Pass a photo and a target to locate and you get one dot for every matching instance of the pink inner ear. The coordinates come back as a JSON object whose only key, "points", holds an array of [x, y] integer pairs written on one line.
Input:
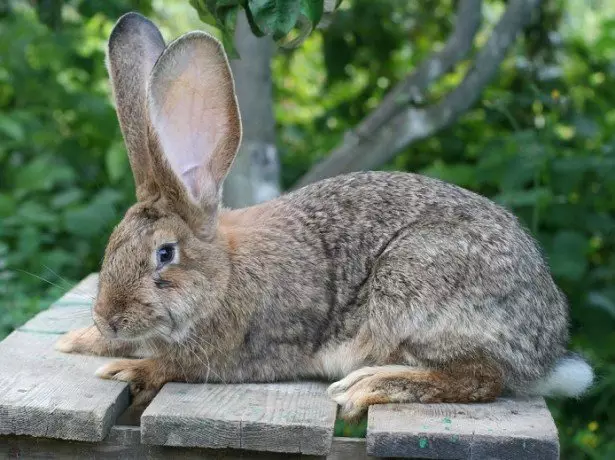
{"points": [[188, 108]]}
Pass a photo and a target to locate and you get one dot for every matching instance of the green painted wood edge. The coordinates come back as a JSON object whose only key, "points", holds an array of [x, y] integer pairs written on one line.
{"points": [[63, 304], [37, 331]]}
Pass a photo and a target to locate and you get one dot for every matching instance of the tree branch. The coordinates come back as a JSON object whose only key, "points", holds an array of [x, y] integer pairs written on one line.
{"points": [[394, 125], [414, 86]]}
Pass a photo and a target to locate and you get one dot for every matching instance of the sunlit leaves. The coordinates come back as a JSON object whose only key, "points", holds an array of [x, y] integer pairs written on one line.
{"points": [[568, 255], [289, 22], [221, 14], [59, 157], [116, 161], [11, 128]]}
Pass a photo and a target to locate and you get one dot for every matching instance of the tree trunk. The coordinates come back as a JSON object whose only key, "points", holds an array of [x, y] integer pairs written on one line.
{"points": [[397, 123], [255, 175]]}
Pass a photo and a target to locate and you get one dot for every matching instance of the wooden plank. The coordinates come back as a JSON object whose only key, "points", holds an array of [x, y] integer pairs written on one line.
{"points": [[120, 445], [349, 449], [284, 417], [51, 394], [341, 448], [506, 429], [57, 321], [125, 442]]}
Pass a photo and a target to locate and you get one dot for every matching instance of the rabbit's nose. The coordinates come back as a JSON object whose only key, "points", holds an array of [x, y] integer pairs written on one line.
{"points": [[114, 323]]}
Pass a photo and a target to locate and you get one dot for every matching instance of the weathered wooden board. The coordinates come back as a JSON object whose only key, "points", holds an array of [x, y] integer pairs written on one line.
{"points": [[125, 443], [122, 443], [349, 449], [57, 321], [51, 394], [284, 417], [512, 429]]}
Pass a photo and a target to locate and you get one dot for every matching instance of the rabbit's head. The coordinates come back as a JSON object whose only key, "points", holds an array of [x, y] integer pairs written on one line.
{"points": [[181, 125]]}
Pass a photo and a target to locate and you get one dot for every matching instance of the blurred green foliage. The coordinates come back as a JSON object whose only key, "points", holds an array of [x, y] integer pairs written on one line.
{"points": [[541, 141]]}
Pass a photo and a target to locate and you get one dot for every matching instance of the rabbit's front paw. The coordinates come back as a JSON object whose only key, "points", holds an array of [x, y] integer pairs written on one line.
{"points": [[85, 340], [144, 376], [89, 341]]}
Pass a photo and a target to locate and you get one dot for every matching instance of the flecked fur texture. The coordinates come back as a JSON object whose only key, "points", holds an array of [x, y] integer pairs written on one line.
{"points": [[404, 287]]}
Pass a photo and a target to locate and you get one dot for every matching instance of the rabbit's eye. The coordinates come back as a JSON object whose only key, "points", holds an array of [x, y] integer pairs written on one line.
{"points": [[165, 254]]}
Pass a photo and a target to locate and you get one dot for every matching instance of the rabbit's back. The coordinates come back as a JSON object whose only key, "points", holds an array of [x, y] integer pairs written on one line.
{"points": [[406, 268]]}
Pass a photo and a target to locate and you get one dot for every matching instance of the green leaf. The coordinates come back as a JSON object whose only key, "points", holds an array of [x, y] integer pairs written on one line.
{"points": [[42, 174], [568, 255], [116, 162], [253, 25], [66, 198], [221, 14], [275, 17], [56, 260], [7, 205], [11, 128], [265, 17], [32, 213], [602, 301], [460, 174], [28, 242], [312, 9], [204, 13], [229, 21], [519, 198], [91, 219]]}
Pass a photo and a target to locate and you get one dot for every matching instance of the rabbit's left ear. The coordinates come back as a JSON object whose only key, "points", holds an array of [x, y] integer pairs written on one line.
{"points": [[194, 117], [134, 47]]}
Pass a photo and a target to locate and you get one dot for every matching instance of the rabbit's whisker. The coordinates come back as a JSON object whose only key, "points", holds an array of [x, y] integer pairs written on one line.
{"points": [[69, 286], [206, 356]]}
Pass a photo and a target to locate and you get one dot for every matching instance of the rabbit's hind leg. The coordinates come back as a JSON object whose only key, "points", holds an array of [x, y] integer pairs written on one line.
{"points": [[403, 384]]}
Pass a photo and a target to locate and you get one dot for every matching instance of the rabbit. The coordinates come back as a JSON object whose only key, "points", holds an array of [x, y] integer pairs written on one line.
{"points": [[397, 287]]}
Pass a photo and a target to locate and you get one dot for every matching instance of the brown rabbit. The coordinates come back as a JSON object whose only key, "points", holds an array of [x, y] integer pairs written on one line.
{"points": [[404, 287]]}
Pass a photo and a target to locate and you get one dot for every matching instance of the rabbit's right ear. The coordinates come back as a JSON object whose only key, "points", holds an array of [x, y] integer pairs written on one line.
{"points": [[134, 47]]}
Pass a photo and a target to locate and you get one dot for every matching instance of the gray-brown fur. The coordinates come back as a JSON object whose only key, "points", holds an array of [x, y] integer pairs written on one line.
{"points": [[421, 264], [438, 289]]}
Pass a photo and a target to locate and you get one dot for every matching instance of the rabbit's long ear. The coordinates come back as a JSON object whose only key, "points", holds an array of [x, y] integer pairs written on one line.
{"points": [[195, 118], [134, 47]]}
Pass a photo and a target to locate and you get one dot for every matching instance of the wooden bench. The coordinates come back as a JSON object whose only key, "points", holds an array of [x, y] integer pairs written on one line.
{"points": [[52, 405]]}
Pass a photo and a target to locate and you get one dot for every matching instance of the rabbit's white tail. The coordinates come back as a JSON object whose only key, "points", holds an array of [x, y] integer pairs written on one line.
{"points": [[571, 377]]}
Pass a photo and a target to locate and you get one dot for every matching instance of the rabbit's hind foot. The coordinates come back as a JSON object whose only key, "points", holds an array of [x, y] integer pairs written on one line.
{"points": [[404, 384]]}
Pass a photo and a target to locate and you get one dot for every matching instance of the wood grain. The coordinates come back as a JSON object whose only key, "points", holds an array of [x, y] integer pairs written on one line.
{"points": [[50, 394], [122, 443], [349, 449], [57, 321], [506, 429], [284, 417], [125, 443]]}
